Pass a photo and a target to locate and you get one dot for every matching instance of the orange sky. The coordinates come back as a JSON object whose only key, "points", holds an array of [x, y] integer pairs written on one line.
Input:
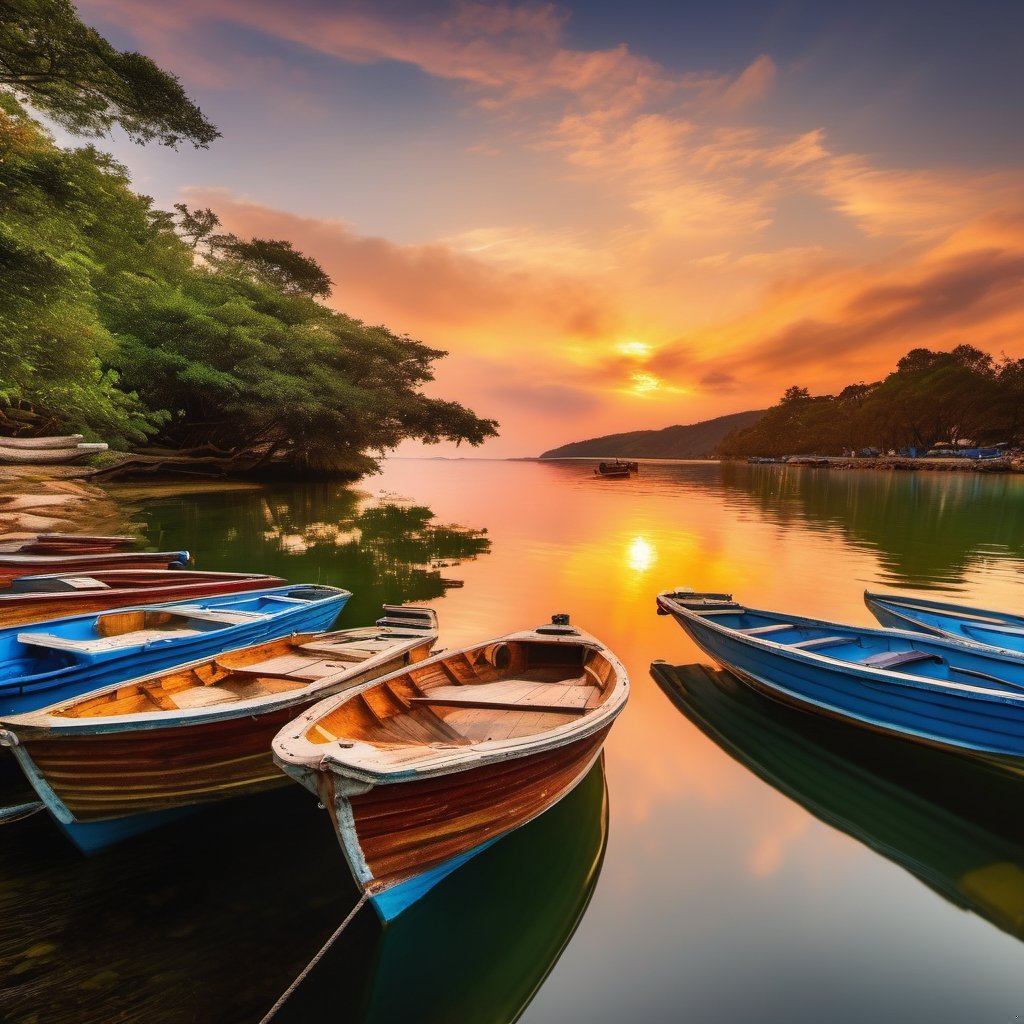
{"points": [[605, 231]]}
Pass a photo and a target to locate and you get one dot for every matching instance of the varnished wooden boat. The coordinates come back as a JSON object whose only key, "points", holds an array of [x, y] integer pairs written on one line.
{"points": [[13, 566], [35, 598], [63, 441], [426, 767], [113, 762]]}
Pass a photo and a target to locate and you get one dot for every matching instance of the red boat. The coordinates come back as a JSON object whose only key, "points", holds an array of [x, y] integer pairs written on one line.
{"points": [[67, 544], [35, 598], [13, 566]]}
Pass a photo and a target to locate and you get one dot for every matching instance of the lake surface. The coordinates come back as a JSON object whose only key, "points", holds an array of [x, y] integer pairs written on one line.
{"points": [[729, 861]]}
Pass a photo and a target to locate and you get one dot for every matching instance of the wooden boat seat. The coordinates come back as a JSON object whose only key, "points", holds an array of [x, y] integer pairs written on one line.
{"points": [[817, 642], [894, 659], [780, 627], [109, 643], [300, 670], [708, 612], [500, 705], [202, 696], [515, 695]]}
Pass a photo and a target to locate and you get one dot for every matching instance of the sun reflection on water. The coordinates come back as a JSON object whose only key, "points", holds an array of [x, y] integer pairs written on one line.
{"points": [[641, 555]]}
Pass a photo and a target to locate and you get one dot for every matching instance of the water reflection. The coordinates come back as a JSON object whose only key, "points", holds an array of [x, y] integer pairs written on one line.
{"points": [[950, 823], [384, 550], [211, 920], [477, 947], [928, 528]]}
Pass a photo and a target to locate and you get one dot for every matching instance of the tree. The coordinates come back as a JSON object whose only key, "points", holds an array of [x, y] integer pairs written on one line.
{"points": [[69, 72], [278, 264]]}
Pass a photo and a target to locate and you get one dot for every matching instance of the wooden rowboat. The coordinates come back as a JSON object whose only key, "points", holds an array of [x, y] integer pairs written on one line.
{"points": [[429, 766], [64, 441], [1002, 630], [112, 762], [955, 696], [13, 566], [35, 598]]}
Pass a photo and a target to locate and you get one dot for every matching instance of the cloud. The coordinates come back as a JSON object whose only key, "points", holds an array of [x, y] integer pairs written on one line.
{"points": [[752, 85]]}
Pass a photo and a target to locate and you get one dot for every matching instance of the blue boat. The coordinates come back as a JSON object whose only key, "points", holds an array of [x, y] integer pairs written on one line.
{"points": [[50, 661], [941, 693], [952, 621]]}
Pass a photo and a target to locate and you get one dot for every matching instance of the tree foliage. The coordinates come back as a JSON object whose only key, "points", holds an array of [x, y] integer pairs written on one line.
{"points": [[110, 323], [69, 72], [964, 395]]}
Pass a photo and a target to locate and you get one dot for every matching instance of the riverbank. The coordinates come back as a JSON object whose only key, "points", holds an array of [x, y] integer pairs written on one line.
{"points": [[57, 499], [899, 464]]}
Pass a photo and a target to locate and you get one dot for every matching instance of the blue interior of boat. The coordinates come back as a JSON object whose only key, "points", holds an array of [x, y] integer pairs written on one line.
{"points": [[915, 656]]}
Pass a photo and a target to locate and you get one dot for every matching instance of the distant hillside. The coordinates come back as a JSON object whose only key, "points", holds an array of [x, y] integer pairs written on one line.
{"points": [[695, 441]]}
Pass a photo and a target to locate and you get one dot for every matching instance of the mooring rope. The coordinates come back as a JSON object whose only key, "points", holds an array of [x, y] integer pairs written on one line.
{"points": [[272, 1012], [19, 812]]}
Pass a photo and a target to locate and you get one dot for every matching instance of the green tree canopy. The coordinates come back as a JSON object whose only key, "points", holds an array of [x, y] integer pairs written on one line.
{"points": [[109, 323], [69, 72]]}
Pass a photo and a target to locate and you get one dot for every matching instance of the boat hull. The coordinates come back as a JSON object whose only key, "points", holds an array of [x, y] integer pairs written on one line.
{"points": [[20, 609], [988, 730], [402, 839], [13, 566]]}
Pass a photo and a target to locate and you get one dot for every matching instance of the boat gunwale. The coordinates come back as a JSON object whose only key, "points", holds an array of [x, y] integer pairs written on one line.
{"points": [[461, 757]]}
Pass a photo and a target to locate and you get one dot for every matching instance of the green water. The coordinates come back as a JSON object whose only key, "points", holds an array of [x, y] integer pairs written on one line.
{"points": [[729, 863]]}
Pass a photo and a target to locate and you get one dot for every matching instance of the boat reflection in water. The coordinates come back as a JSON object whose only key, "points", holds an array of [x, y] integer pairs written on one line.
{"points": [[493, 930], [953, 824], [217, 926]]}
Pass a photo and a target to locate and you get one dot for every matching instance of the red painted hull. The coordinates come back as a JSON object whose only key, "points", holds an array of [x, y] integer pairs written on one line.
{"points": [[126, 588], [13, 566]]}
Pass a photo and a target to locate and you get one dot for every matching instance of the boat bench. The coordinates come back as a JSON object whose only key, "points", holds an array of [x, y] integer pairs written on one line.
{"points": [[110, 643], [213, 615], [822, 641], [893, 659], [766, 630]]}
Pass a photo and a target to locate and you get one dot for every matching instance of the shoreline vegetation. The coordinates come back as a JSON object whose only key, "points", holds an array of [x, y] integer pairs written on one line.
{"points": [[934, 404], [187, 349]]}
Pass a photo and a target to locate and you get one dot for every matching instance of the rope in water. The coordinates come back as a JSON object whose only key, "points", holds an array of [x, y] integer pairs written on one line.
{"points": [[18, 812], [272, 1012]]}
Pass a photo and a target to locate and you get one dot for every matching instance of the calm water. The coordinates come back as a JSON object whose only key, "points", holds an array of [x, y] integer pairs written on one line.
{"points": [[731, 861]]}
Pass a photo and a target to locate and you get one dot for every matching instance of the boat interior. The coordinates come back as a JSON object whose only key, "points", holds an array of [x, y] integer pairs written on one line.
{"points": [[921, 657], [292, 663], [983, 626], [498, 691]]}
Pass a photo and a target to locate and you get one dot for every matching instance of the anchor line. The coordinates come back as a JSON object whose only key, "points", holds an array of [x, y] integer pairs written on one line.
{"points": [[272, 1012], [19, 812]]}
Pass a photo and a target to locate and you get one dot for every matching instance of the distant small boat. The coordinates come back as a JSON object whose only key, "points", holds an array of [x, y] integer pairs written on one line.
{"points": [[14, 565], [63, 441], [1001, 630], [45, 456], [427, 767], [35, 598], [111, 763], [951, 695], [63, 658], [613, 471]]}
